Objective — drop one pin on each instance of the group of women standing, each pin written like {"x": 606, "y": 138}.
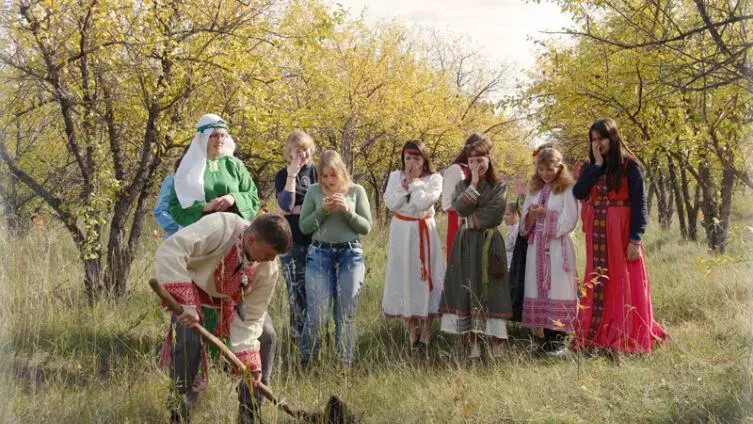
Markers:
{"x": 467, "y": 285}
{"x": 473, "y": 291}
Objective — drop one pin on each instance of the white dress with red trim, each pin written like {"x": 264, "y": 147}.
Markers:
{"x": 415, "y": 260}
{"x": 550, "y": 277}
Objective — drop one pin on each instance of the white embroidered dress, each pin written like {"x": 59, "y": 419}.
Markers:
{"x": 413, "y": 287}
{"x": 550, "y": 277}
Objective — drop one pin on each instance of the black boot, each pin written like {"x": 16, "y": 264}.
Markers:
{"x": 249, "y": 409}
{"x": 554, "y": 343}
{"x": 419, "y": 351}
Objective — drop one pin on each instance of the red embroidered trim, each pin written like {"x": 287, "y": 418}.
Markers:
{"x": 228, "y": 280}
{"x": 185, "y": 293}
{"x": 548, "y": 313}
{"x": 543, "y": 262}
{"x": 250, "y": 358}
{"x": 551, "y": 224}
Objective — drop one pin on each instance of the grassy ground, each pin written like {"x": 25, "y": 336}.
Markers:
{"x": 65, "y": 362}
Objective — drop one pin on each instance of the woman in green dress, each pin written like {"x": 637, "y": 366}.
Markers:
{"x": 210, "y": 179}
{"x": 476, "y": 300}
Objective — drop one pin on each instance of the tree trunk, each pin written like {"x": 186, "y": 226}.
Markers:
{"x": 728, "y": 191}
{"x": 118, "y": 257}
{"x": 11, "y": 209}
{"x": 678, "y": 197}
{"x": 378, "y": 209}
{"x": 710, "y": 206}
{"x": 691, "y": 207}
{"x": 663, "y": 201}
{"x": 651, "y": 192}
{"x": 93, "y": 278}
{"x": 693, "y": 218}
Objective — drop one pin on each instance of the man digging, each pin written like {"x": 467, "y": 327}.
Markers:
{"x": 225, "y": 263}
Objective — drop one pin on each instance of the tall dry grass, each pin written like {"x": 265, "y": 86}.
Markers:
{"x": 66, "y": 362}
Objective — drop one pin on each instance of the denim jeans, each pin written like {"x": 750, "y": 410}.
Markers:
{"x": 334, "y": 277}
{"x": 294, "y": 270}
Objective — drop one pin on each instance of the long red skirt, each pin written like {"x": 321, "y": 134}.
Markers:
{"x": 627, "y": 323}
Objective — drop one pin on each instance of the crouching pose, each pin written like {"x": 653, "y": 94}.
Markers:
{"x": 225, "y": 263}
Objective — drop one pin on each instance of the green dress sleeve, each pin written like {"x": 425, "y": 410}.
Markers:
{"x": 360, "y": 219}
{"x": 187, "y": 216}
{"x": 465, "y": 199}
{"x": 246, "y": 198}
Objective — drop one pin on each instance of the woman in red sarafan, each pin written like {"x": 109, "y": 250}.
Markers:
{"x": 615, "y": 312}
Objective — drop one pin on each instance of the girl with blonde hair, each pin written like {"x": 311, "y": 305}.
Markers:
{"x": 336, "y": 213}
{"x": 550, "y": 214}
{"x": 291, "y": 184}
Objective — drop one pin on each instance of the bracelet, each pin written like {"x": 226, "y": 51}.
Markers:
{"x": 636, "y": 242}
{"x": 293, "y": 176}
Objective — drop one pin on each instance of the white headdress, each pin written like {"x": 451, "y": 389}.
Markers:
{"x": 189, "y": 178}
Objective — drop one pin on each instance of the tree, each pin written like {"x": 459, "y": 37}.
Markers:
{"x": 669, "y": 127}
{"x": 118, "y": 82}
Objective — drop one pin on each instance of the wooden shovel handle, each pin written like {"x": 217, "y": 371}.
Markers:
{"x": 177, "y": 309}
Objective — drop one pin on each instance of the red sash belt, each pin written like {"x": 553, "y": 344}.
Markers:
{"x": 424, "y": 254}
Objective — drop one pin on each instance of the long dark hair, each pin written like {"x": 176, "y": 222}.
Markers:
{"x": 417, "y": 145}
{"x": 462, "y": 157}
{"x": 618, "y": 154}
{"x": 482, "y": 147}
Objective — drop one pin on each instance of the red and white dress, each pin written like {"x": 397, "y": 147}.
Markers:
{"x": 415, "y": 261}
{"x": 550, "y": 278}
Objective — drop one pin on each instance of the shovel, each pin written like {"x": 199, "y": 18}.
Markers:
{"x": 334, "y": 413}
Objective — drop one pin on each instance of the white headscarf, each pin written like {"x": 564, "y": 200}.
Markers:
{"x": 189, "y": 178}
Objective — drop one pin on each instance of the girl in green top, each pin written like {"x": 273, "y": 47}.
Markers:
{"x": 210, "y": 179}
{"x": 336, "y": 212}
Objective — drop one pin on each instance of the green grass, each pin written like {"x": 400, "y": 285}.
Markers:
{"x": 66, "y": 362}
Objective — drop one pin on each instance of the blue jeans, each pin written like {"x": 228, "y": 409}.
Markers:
{"x": 334, "y": 277}
{"x": 294, "y": 271}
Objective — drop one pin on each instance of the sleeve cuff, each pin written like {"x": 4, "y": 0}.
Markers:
{"x": 635, "y": 236}
{"x": 286, "y": 201}
{"x": 470, "y": 196}
{"x": 250, "y": 358}
{"x": 415, "y": 185}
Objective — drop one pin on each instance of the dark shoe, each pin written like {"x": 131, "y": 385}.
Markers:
{"x": 249, "y": 408}
{"x": 177, "y": 418}
{"x": 249, "y": 416}
{"x": 420, "y": 350}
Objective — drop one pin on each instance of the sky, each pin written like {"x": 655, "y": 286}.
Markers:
{"x": 497, "y": 29}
